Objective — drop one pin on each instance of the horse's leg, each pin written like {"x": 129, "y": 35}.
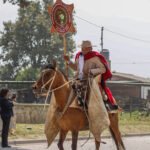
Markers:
{"x": 74, "y": 140}
{"x": 62, "y": 137}
{"x": 97, "y": 144}
{"x": 114, "y": 129}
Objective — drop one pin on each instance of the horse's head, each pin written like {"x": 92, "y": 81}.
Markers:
{"x": 49, "y": 79}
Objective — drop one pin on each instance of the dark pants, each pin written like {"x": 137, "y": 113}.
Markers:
{"x": 5, "y": 130}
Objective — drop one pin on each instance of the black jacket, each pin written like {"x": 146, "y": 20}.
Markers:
{"x": 6, "y": 107}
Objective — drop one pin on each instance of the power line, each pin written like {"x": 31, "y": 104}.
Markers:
{"x": 113, "y": 32}
{"x": 133, "y": 63}
{"x": 98, "y": 26}
{"x": 126, "y": 36}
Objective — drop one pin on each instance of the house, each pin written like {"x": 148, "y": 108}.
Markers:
{"x": 129, "y": 88}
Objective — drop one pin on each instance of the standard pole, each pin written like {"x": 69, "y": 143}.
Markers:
{"x": 65, "y": 51}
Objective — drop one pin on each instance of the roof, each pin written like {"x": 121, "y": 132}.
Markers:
{"x": 132, "y": 77}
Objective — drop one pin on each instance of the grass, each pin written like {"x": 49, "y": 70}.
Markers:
{"x": 134, "y": 124}
{"x": 30, "y": 131}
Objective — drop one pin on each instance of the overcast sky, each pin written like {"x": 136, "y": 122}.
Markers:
{"x": 128, "y": 17}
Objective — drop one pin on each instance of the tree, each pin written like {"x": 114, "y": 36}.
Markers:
{"x": 25, "y": 75}
{"x": 21, "y": 3}
{"x": 27, "y": 43}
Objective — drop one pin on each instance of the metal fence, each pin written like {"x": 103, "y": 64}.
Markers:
{"x": 23, "y": 89}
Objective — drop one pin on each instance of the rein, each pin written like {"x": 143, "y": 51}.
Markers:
{"x": 44, "y": 85}
{"x": 51, "y": 79}
{"x": 50, "y": 86}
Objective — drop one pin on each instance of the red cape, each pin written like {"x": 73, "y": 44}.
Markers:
{"x": 105, "y": 76}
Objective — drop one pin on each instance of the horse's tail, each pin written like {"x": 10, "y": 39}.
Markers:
{"x": 120, "y": 146}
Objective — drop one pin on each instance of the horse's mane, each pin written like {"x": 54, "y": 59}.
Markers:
{"x": 50, "y": 66}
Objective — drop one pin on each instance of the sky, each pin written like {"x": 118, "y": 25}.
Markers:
{"x": 128, "y": 17}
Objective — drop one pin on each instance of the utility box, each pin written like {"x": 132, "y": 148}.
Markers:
{"x": 106, "y": 54}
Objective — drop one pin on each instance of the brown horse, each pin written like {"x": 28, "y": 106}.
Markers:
{"x": 74, "y": 119}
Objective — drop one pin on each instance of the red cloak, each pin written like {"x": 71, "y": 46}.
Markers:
{"x": 105, "y": 76}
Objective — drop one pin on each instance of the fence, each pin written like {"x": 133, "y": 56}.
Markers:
{"x": 23, "y": 89}
{"x": 130, "y": 95}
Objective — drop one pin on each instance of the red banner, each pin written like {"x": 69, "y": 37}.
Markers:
{"x": 61, "y": 16}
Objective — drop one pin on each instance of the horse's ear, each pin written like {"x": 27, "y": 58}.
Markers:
{"x": 54, "y": 64}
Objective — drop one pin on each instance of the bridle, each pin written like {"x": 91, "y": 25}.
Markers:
{"x": 51, "y": 79}
{"x": 50, "y": 86}
{"x": 45, "y": 84}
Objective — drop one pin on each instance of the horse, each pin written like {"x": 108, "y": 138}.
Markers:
{"x": 74, "y": 119}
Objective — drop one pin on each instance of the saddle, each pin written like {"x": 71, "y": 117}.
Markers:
{"x": 81, "y": 90}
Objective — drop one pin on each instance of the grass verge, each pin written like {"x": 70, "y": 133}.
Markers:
{"x": 133, "y": 123}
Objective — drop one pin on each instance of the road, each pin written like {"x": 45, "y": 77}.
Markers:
{"x": 132, "y": 143}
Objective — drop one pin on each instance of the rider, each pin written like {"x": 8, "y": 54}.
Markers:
{"x": 89, "y": 62}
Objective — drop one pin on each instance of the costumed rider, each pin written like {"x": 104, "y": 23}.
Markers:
{"x": 91, "y": 62}
{"x": 88, "y": 61}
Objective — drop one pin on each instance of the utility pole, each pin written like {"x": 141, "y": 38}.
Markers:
{"x": 104, "y": 52}
{"x": 102, "y": 30}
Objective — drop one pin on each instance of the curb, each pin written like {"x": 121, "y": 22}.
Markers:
{"x": 17, "y": 142}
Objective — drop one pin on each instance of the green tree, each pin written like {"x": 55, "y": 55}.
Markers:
{"x": 26, "y": 74}
{"x": 22, "y": 3}
{"x": 28, "y": 43}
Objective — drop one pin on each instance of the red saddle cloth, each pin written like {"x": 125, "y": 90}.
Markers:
{"x": 105, "y": 76}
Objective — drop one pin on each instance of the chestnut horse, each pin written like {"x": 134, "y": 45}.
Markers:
{"x": 74, "y": 119}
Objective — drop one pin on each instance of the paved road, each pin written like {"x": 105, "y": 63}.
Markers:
{"x": 132, "y": 143}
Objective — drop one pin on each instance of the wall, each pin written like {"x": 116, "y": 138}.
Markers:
{"x": 30, "y": 113}
{"x": 124, "y": 90}
{"x": 127, "y": 96}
